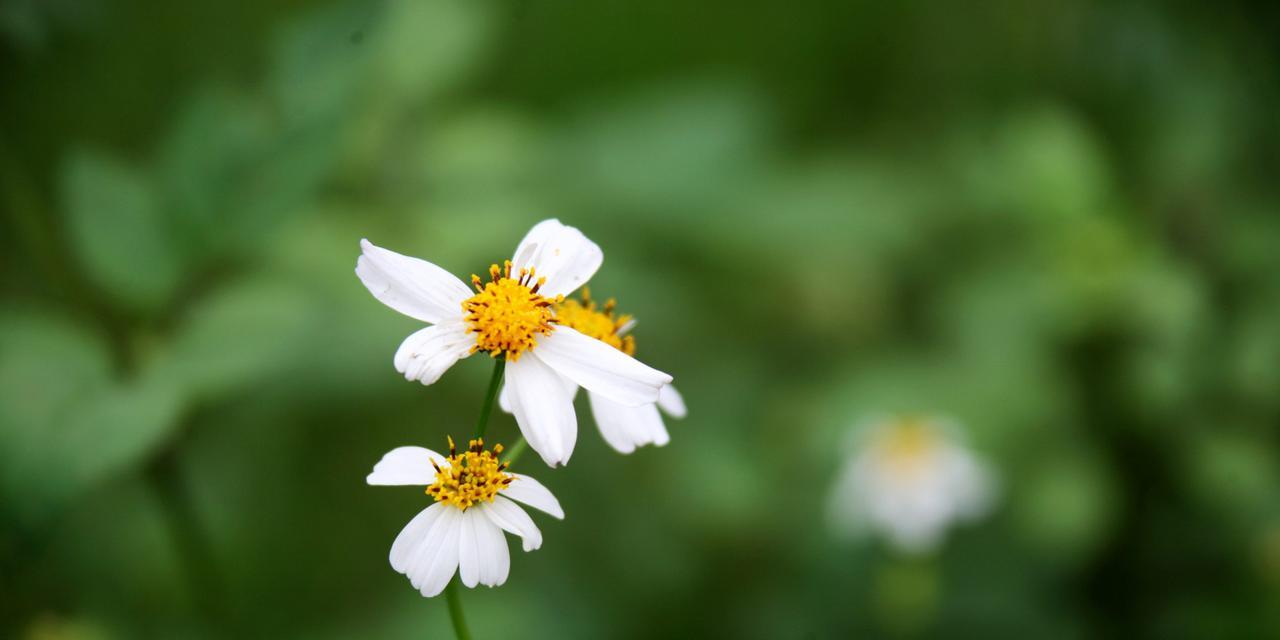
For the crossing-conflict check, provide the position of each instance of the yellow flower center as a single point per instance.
(475, 475)
(598, 322)
(909, 446)
(507, 314)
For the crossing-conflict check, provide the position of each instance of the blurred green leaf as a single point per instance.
(65, 423)
(119, 231)
(240, 336)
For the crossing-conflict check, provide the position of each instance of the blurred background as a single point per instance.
(1055, 223)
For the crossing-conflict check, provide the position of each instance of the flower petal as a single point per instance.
(561, 254)
(512, 519)
(411, 536)
(531, 492)
(494, 556)
(406, 465)
(427, 353)
(600, 368)
(469, 549)
(670, 401)
(414, 287)
(543, 410)
(626, 428)
(434, 563)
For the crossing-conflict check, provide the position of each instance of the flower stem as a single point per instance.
(455, 611)
(495, 382)
(515, 450)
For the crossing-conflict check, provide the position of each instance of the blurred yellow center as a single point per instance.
(909, 446)
(598, 322)
(475, 475)
(507, 314)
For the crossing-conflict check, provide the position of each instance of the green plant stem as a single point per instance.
(193, 546)
(516, 450)
(495, 383)
(454, 599)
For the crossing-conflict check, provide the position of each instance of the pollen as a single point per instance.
(507, 314)
(472, 476)
(599, 322)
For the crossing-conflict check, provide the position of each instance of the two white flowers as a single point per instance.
(550, 346)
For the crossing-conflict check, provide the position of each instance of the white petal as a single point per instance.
(626, 428)
(531, 492)
(543, 410)
(672, 402)
(511, 518)
(469, 548)
(406, 465)
(504, 396)
(427, 353)
(561, 254)
(600, 368)
(434, 563)
(411, 286)
(495, 558)
(411, 536)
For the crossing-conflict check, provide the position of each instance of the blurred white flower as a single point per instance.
(462, 531)
(512, 316)
(623, 427)
(910, 479)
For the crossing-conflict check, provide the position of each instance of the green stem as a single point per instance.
(495, 383)
(455, 611)
(516, 449)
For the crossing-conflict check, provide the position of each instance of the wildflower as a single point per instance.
(911, 478)
(623, 427)
(512, 316)
(462, 531)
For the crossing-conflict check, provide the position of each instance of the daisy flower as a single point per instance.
(512, 316)
(910, 480)
(623, 427)
(462, 531)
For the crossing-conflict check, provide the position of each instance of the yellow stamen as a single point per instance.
(473, 476)
(508, 314)
(909, 445)
(597, 322)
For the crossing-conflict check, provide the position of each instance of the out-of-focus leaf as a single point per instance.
(320, 64)
(230, 174)
(240, 336)
(118, 230)
(673, 146)
(65, 423)
(1064, 505)
(425, 46)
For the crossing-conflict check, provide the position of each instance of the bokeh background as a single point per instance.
(1055, 222)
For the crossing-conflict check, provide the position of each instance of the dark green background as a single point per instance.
(1056, 222)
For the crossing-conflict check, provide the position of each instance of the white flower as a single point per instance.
(623, 427)
(462, 531)
(910, 479)
(512, 316)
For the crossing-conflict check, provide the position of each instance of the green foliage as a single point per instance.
(1053, 224)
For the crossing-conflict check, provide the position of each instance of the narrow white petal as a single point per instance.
(411, 286)
(600, 368)
(427, 353)
(437, 559)
(411, 536)
(615, 422)
(406, 465)
(531, 492)
(543, 410)
(561, 254)
(495, 558)
(504, 397)
(512, 519)
(468, 548)
(672, 402)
